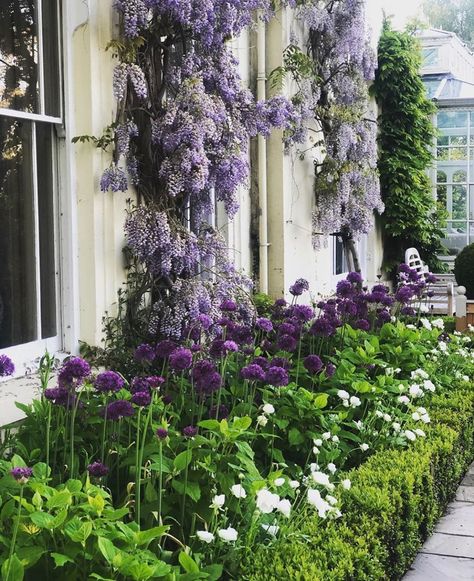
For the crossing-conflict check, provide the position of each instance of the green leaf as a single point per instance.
(183, 460)
(97, 503)
(212, 425)
(188, 563)
(43, 520)
(295, 437)
(61, 560)
(60, 499)
(78, 531)
(242, 424)
(193, 490)
(74, 486)
(29, 555)
(145, 537)
(107, 549)
(116, 514)
(41, 471)
(214, 572)
(321, 400)
(13, 569)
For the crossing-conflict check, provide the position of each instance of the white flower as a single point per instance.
(321, 478)
(327, 436)
(205, 536)
(415, 390)
(429, 385)
(426, 324)
(272, 530)
(425, 418)
(227, 535)
(438, 323)
(268, 409)
(315, 450)
(294, 484)
(218, 501)
(416, 416)
(332, 467)
(389, 371)
(420, 433)
(346, 484)
(284, 506)
(410, 435)
(364, 447)
(315, 499)
(335, 439)
(331, 499)
(317, 442)
(387, 417)
(397, 370)
(279, 481)
(421, 410)
(267, 501)
(355, 401)
(442, 346)
(238, 491)
(313, 466)
(342, 393)
(465, 378)
(419, 373)
(411, 327)
(396, 426)
(262, 421)
(346, 403)
(403, 399)
(378, 413)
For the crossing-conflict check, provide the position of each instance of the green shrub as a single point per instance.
(464, 270)
(395, 499)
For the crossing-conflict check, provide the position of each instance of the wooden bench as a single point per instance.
(444, 289)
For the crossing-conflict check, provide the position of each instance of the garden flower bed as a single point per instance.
(298, 438)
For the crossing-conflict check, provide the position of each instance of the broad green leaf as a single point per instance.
(78, 531)
(145, 537)
(43, 520)
(214, 572)
(193, 490)
(242, 424)
(182, 460)
(295, 437)
(107, 549)
(116, 514)
(97, 503)
(13, 569)
(29, 555)
(37, 500)
(321, 400)
(61, 560)
(188, 563)
(74, 486)
(60, 499)
(209, 424)
(150, 492)
(41, 471)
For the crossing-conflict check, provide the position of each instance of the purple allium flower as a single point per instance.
(277, 376)
(362, 324)
(155, 381)
(299, 287)
(230, 346)
(302, 312)
(330, 369)
(383, 316)
(322, 327)
(221, 414)
(74, 368)
(354, 277)
(380, 288)
(213, 383)
(280, 362)
(120, 408)
(404, 294)
(205, 321)
(21, 474)
(141, 398)
(313, 363)
(97, 469)
(408, 311)
(202, 369)
(190, 431)
(161, 433)
(280, 303)
(286, 329)
(59, 396)
(165, 348)
(404, 268)
(108, 381)
(344, 289)
(228, 305)
(264, 324)
(140, 384)
(262, 361)
(253, 372)
(348, 308)
(180, 359)
(145, 352)
(287, 343)
(217, 348)
(6, 366)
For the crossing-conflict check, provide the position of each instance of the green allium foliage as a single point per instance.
(411, 215)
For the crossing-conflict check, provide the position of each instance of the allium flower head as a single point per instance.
(277, 376)
(118, 409)
(190, 431)
(108, 381)
(165, 348)
(74, 369)
(21, 474)
(140, 384)
(354, 277)
(6, 366)
(313, 363)
(253, 372)
(299, 287)
(161, 433)
(264, 324)
(287, 343)
(97, 469)
(180, 359)
(141, 398)
(145, 352)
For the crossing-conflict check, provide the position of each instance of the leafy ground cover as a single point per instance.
(192, 461)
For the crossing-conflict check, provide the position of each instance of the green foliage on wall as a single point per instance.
(406, 136)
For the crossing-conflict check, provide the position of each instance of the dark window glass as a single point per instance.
(51, 62)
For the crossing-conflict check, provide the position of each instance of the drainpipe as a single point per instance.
(262, 160)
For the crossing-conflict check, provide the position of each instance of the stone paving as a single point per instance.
(448, 555)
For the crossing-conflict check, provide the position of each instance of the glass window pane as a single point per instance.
(460, 176)
(52, 77)
(456, 237)
(458, 139)
(443, 140)
(459, 203)
(452, 119)
(18, 55)
(44, 148)
(458, 153)
(18, 313)
(442, 153)
(471, 202)
(441, 177)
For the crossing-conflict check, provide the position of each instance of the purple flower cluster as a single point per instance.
(6, 366)
(21, 474)
(73, 372)
(253, 372)
(181, 359)
(119, 409)
(277, 376)
(145, 352)
(299, 287)
(205, 377)
(97, 469)
(108, 382)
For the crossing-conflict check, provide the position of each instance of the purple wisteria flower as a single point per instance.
(118, 409)
(141, 398)
(109, 381)
(190, 431)
(205, 321)
(252, 372)
(145, 352)
(299, 287)
(6, 366)
(97, 469)
(21, 474)
(313, 363)
(73, 371)
(161, 433)
(180, 359)
(264, 324)
(277, 376)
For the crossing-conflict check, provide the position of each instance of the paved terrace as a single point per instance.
(448, 555)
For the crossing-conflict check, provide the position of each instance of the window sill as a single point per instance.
(21, 389)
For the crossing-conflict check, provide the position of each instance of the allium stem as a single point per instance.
(185, 490)
(48, 434)
(138, 469)
(104, 427)
(15, 533)
(160, 483)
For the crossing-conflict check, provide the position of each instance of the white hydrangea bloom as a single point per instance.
(205, 536)
(267, 501)
(228, 535)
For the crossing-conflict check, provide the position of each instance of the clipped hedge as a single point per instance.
(394, 502)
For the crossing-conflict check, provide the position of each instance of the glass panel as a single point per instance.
(456, 237)
(452, 119)
(458, 139)
(471, 202)
(442, 153)
(441, 195)
(18, 55)
(459, 207)
(44, 145)
(458, 153)
(443, 140)
(51, 58)
(430, 57)
(441, 177)
(460, 176)
(17, 241)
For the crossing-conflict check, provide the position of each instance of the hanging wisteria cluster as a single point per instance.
(335, 84)
(181, 137)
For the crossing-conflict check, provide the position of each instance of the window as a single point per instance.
(430, 57)
(455, 176)
(339, 256)
(30, 107)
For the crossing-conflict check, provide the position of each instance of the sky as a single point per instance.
(402, 10)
